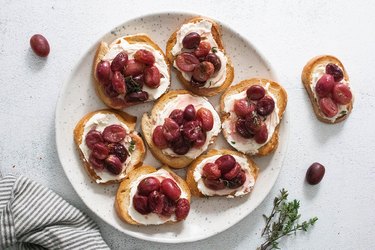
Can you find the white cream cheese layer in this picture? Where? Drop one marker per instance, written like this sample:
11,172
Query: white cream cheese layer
244,145
120,45
318,72
203,28
99,122
151,218
244,189
180,102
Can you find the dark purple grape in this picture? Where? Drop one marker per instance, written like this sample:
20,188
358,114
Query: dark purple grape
238,181
39,45
189,112
265,106
242,130
113,164
196,83
255,92
215,60
119,150
140,204
191,130
315,173
178,116
253,122
171,130
217,184
156,202
335,71
139,96
119,62
191,40
225,163
148,185
180,146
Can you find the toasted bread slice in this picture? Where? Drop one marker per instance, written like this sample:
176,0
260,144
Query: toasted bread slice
282,98
216,34
102,50
307,80
137,155
122,200
148,124
254,170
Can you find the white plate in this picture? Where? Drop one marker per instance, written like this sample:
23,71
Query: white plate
207,216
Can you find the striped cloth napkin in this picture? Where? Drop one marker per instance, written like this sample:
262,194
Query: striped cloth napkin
34,217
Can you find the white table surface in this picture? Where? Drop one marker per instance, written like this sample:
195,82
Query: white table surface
287,33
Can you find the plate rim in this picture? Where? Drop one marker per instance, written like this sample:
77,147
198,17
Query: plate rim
59,107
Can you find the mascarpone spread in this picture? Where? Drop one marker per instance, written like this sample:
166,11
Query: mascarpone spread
151,218
181,101
318,72
203,28
99,122
244,189
120,45
244,145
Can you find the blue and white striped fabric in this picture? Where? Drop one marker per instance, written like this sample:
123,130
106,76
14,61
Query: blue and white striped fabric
34,217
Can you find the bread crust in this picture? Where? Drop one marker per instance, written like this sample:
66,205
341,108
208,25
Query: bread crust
122,199
254,169
130,121
147,126
307,74
101,51
282,98
216,34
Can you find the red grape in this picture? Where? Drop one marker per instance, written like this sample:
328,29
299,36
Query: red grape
147,185
139,96
170,189
242,129
206,118
189,112
203,49
191,40
140,204
114,133
180,146
178,116
118,83
156,202
328,107
144,56
171,130
186,62
255,92
253,122
191,130
341,94
217,184
315,173
96,163
324,85
110,91
39,45
238,181
203,71
215,60
134,68
335,71
169,207
119,62
201,140
103,72
211,171
182,209
113,164
158,138
118,150
152,77
93,137
233,172
100,151
242,107
225,163
265,106
262,135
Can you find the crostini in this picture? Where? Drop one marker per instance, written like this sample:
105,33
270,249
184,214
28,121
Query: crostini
222,173
152,197
180,127
108,145
197,53
251,112
327,84
131,70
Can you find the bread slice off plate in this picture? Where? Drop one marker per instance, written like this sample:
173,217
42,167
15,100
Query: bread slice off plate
131,70
327,84
144,197
254,130
209,175
108,145
201,63
179,151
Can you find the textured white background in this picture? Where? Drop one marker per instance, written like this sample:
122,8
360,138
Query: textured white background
288,33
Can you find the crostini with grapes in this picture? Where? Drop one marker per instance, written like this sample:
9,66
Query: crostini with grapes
180,127
222,173
152,197
251,112
197,53
129,71
108,145
327,84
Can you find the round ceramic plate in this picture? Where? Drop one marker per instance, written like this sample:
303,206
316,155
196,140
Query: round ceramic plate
207,216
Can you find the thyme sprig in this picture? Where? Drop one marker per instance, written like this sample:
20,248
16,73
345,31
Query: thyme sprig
283,221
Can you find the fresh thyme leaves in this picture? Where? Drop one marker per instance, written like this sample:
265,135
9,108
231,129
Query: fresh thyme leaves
343,112
214,49
132,146
233,142
132,85
283,221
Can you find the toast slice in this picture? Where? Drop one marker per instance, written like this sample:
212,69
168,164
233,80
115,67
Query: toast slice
308,81
122,201
102,50
216,34
193,185
148,123
136,156
281,99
